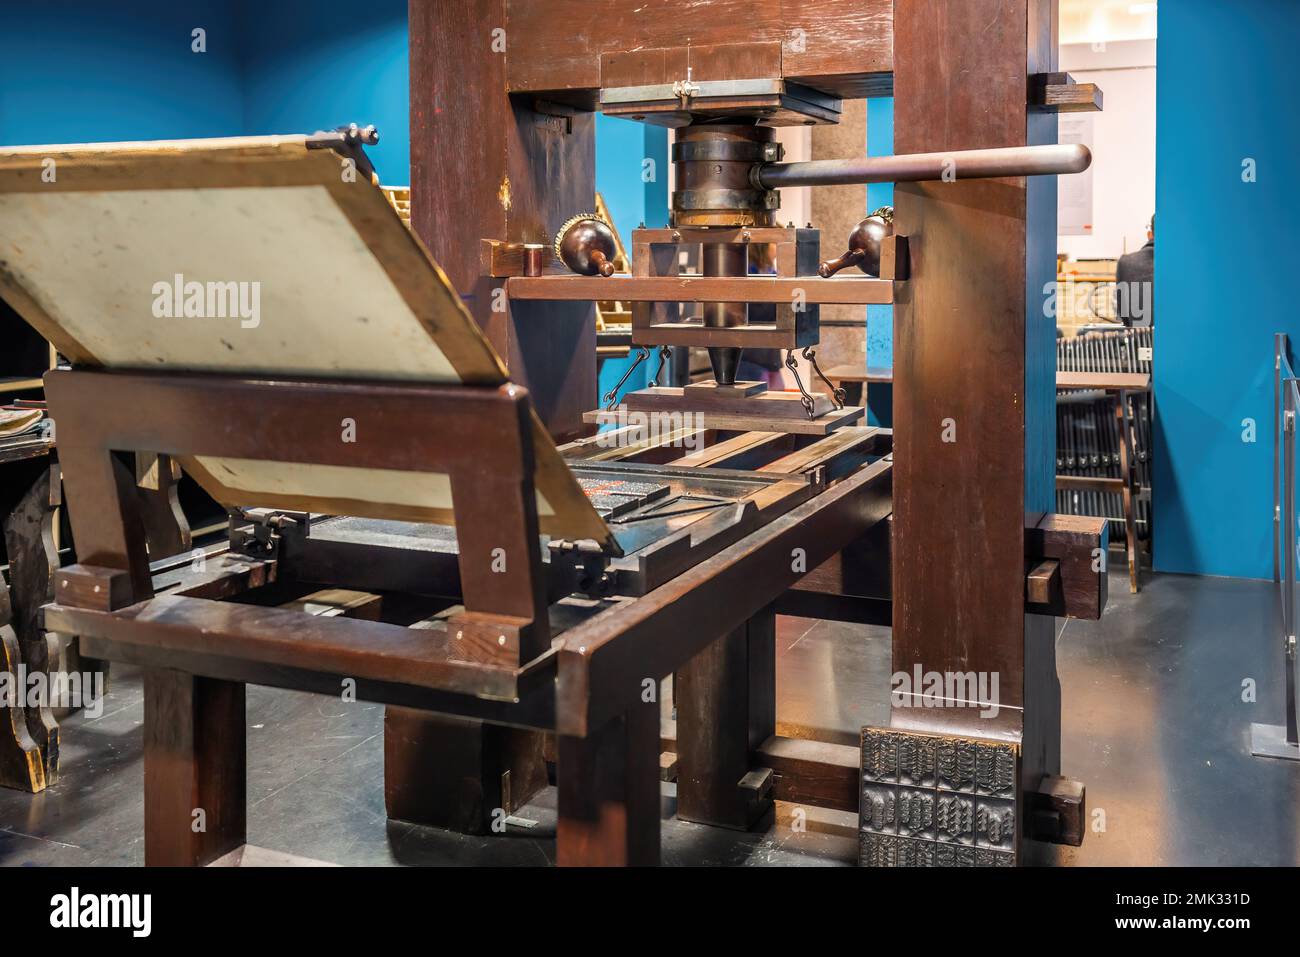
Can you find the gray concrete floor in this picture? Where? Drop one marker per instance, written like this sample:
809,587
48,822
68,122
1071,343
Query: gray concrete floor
1154,724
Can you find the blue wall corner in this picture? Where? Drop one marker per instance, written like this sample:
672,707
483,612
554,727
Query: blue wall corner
1220,274
880,142
636,192
83,71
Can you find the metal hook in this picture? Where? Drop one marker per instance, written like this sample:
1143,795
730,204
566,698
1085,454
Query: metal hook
611,397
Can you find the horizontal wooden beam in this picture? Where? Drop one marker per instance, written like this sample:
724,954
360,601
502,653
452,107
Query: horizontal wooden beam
1089,483
183,632
748,450
836,455
853,585
1060,93
603,662
815,773
811,290
559,47
723,422
811,772
1107,381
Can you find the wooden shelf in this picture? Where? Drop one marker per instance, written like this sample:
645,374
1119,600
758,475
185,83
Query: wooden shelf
20,385
856,373
1107,381
849,290
1060,93
1090,483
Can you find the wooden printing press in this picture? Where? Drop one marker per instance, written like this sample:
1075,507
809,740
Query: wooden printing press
386,428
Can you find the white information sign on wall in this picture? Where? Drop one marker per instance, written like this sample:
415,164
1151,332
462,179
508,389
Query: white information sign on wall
1074,193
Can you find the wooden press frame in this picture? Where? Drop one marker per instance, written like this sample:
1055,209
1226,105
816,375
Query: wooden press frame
505,611
965,75
711,625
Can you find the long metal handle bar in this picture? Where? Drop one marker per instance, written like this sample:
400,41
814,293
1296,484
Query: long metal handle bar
916,167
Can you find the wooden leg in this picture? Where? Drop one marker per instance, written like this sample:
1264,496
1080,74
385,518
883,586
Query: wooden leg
1128,470
165,526
194,768
29,543
726,709
609,793
22,765
457,773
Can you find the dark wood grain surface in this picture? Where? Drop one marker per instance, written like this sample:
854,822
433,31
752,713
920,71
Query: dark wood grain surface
839,46
973,369
485,165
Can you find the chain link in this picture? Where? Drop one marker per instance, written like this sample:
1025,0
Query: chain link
804,397
839,394
611,397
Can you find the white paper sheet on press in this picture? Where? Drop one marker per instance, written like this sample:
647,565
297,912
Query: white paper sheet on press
325,305
274,481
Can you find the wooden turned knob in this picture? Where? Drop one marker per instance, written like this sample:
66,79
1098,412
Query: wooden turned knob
851,258
864,245
586,245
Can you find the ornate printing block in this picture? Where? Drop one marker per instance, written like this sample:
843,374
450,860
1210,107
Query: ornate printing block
937,801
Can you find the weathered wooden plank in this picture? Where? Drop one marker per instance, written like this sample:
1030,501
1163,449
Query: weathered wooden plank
839,46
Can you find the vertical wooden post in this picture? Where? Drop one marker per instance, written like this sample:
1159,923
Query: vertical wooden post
609,793
486,165
461,773
457,773
726,708
194,768
166,527
103,507
501,574
983,259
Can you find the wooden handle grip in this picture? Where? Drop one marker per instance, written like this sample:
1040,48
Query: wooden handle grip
832,266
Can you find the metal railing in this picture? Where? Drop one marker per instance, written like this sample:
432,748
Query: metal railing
1282,741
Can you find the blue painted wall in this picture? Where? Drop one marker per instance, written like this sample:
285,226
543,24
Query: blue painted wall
129,71
635,193
84,70
309,65
1222,253
880,142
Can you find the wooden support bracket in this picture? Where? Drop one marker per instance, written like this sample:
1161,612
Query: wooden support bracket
501,259
1059,93
1058,811
1043,583
895,258
92,586
1076,587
